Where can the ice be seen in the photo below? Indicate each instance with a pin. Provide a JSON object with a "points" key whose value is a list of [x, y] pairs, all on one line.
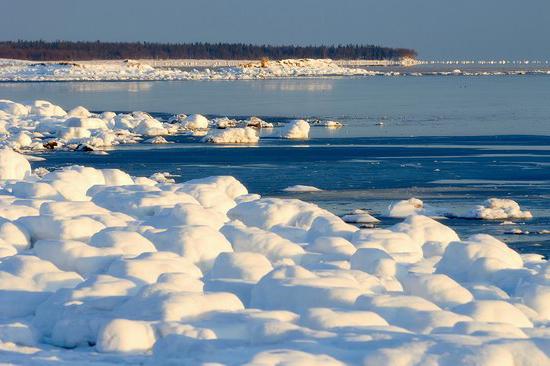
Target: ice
{"points": [[301, 188], [360, 217], [16, 70], [245, 135], [13, 165], [298, 130], [129, 270], [500, 209]]}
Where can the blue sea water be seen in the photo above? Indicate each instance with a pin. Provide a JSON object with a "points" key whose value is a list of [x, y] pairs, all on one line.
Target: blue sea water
{"points": [[451, 141]]}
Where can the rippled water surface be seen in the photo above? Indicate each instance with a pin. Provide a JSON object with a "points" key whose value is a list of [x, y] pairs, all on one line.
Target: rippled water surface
{"points": [[451, 141]]}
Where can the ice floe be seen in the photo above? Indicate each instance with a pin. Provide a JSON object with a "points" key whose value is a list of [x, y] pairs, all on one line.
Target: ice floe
{"points": [[302, 188], [298, 129], [42, 125], [130, 270]]}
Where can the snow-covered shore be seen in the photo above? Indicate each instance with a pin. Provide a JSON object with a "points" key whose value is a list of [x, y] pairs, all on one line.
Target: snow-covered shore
{"points": [[100, 267], [150, 70], [14, 70]]}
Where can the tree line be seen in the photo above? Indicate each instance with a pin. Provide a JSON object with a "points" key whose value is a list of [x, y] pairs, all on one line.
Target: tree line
{"points": [[64, 51]]}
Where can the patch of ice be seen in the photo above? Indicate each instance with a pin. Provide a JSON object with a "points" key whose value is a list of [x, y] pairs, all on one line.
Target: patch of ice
{"points": [[302, 188]]}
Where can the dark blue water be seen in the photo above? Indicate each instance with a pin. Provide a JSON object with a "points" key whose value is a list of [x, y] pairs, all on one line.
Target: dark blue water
{"points": [[450, 141], [448, 172]]}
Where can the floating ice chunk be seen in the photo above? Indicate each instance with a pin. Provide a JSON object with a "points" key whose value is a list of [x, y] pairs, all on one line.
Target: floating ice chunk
{"points": [[245, 135], [196, 122], [333, 124], [150, 127], [13, 165], [156, 140], [414, 206], [301, 188], [162, 178], [298, 129], [122, 335], [360, 217], [499, 209]]}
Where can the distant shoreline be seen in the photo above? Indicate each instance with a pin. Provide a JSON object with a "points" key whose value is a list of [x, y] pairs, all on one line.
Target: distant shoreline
{"points": [[80, 51]]}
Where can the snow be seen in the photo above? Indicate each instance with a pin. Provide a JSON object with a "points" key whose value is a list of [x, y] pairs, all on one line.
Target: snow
{"points": [[298, 130], [245, 135], [16, 70], [13, 165], [302, 188], [40, 126], [102, 268], [500, 209], [360, 217]]}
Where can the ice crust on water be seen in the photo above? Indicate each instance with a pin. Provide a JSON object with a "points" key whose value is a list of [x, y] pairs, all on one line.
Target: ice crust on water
{"points": [[130, 270]]}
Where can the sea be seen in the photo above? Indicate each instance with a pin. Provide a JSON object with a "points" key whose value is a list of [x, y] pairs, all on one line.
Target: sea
{"points": [[452, 141]]}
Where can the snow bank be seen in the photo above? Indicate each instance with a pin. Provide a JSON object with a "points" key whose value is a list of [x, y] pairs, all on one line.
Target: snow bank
{"points": [[16, 70], [13, 165], [133, 271]]}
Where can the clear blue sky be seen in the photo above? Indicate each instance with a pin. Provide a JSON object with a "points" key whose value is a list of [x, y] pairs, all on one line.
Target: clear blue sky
{"points": [[475, 29]]}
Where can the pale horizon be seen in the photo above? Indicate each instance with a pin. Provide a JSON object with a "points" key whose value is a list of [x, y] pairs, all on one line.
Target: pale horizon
{"points": [[437, 30]]}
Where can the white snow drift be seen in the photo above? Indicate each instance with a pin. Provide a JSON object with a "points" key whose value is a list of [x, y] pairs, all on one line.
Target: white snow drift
{"points": [[131, 271]]}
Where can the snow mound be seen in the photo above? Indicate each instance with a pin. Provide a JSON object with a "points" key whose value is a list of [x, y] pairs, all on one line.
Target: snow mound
{"points": [[302, 188], [245, 135], [298, 130], [131, 271], [499, 209]]}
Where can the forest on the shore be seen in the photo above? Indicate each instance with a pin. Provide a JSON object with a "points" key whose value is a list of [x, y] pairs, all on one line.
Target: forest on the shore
{"points": [[79, 51]]}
